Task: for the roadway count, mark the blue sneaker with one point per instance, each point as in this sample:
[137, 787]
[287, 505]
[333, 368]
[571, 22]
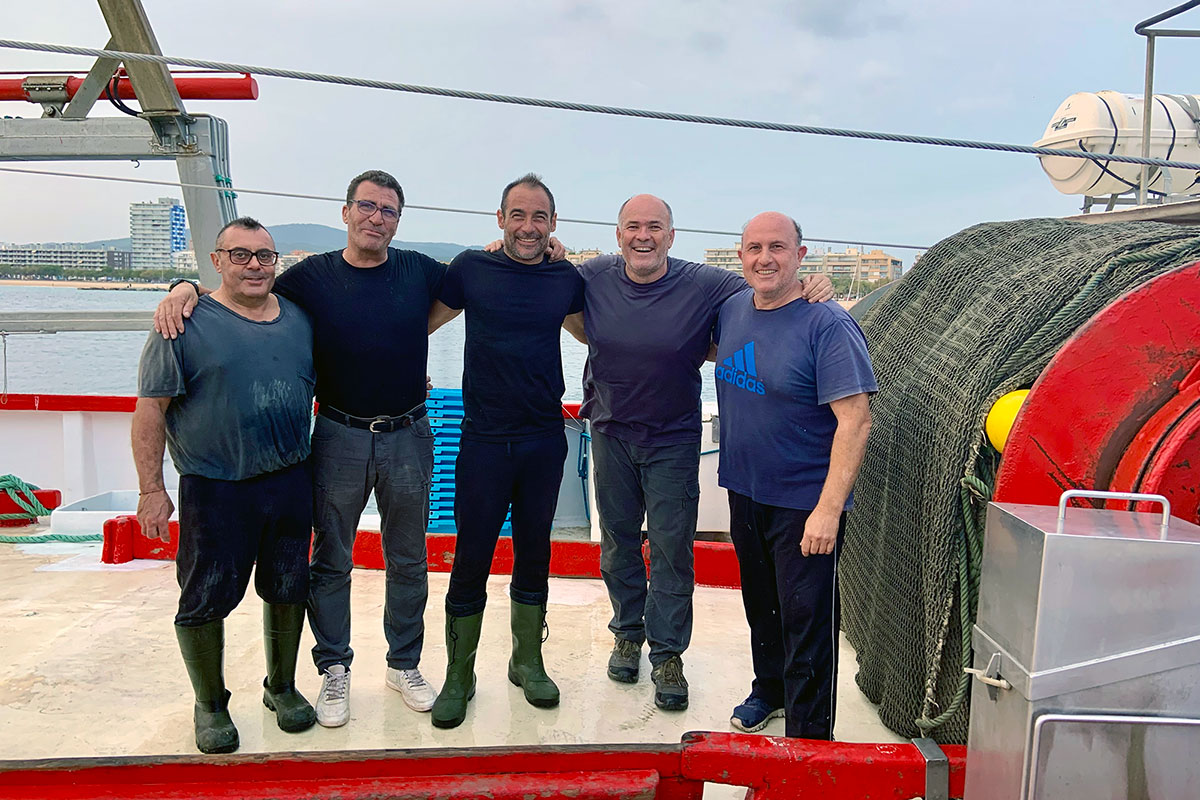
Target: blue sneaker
[753, 714]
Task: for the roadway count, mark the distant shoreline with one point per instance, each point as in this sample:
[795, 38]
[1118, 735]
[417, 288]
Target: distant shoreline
[110, 285]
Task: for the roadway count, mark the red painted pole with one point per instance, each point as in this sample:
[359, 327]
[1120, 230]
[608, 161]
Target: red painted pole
[206, 87]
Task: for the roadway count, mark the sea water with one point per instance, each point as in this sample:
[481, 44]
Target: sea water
[105, 362]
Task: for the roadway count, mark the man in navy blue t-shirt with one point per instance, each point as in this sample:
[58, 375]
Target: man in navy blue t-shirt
[513, 444]
[793, 382]
[648, 326]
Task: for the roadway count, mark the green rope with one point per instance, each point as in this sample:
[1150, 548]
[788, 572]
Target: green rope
[43, 538]
[22, 494]
[974, 492]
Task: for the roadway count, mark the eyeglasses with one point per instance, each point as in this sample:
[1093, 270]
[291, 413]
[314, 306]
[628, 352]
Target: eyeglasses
[241, 256]
[368, 209]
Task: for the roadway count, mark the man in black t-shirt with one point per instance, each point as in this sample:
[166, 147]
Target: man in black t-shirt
[369, 306]
[513, 444]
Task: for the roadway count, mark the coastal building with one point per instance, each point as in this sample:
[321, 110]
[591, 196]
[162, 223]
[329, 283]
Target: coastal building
[65, 256]
[724, 258]
[291, 259]
[577, 257]
[156, 231]
[852, 262]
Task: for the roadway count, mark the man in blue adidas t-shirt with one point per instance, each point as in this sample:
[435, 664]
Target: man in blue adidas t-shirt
[793, 380]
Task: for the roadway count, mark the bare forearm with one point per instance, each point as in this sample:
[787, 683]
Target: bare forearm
[149, 433]
[845, 458]
[573, 324]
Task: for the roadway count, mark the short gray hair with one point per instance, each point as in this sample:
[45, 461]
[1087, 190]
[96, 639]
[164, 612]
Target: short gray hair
[666, 205]
[244, 223]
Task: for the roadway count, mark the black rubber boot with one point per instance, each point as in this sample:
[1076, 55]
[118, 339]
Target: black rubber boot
[462, 641]
[525, 668]
[282, 625]
[203, 651]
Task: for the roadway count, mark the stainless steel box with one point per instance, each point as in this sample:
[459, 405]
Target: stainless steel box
[1095, 627]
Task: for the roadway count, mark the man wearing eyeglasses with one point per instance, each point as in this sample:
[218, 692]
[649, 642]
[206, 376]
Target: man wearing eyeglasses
[238, 432]
[369, 306]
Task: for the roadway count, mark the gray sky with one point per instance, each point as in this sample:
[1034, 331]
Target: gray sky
[994, 71]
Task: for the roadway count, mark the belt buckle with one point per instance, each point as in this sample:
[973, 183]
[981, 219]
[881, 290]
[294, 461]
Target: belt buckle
[379, 421]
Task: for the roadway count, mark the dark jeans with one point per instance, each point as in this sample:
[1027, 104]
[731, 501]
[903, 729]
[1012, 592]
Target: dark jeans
[794, 611]
[348, 463]
[227, 526]
[488, 476]
[661, 485]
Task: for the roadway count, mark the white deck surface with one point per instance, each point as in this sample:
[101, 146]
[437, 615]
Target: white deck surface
[91, 668]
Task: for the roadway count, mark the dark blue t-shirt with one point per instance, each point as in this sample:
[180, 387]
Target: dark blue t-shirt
[370, 327]
[241, 391]
[512, 362]
[777, 372]
[646, 343]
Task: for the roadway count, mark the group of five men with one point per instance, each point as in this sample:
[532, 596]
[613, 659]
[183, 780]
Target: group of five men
[793, 380]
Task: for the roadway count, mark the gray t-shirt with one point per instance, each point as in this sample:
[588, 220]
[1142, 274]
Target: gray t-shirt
[646, 343]
[241, 390]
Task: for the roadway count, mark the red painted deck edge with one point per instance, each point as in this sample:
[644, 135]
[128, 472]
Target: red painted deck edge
[770, 767]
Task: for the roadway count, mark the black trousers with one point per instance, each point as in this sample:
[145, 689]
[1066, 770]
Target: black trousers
[793, 608]
[488, 477]
[225, 527]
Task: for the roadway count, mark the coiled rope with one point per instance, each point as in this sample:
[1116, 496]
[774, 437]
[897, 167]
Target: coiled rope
[22, 494]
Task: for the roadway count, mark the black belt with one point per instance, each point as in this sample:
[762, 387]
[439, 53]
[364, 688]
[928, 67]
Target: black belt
[373, 424]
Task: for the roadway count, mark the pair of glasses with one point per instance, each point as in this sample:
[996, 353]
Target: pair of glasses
[368, 209]
[241, 256]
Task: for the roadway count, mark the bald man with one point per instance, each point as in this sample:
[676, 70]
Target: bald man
[648, 322]
[793, 383]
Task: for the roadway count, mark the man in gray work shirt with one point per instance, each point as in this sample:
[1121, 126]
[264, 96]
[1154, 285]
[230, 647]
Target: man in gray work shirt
[648, 321]
[233, 401]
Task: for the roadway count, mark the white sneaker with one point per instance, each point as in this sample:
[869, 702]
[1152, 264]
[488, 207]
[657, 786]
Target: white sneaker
[333, 704]
[412, 686]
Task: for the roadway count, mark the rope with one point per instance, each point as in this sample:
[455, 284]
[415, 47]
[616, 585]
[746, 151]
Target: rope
[591, 108]
[301, 196]
[21, 493]
[43, 538]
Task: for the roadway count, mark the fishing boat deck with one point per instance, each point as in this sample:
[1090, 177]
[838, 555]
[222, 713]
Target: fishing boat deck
[93, 669]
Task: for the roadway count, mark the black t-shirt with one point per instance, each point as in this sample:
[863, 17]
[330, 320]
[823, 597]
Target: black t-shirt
[512, 370]
[370, 328]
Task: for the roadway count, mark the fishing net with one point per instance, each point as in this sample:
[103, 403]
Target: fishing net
[978, 316]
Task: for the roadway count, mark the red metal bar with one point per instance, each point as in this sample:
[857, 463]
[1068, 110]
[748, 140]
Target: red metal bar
[716, 562]
[775, 768]
[241, 87]
[578, 772]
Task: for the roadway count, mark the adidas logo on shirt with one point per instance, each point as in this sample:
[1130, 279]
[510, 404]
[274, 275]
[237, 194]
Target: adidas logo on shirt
[740, 370]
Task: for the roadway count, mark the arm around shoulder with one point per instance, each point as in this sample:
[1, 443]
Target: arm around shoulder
[177, 306]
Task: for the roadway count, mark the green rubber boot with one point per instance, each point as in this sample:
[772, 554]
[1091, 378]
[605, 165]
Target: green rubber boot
[462, 640]
[525, 668]
[282, 625]
[203, 651]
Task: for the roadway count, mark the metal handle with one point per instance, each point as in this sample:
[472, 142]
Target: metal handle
[982, 677]
[1131, 496]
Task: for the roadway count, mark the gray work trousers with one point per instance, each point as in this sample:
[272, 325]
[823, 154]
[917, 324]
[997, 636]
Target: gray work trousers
[661, 485]
[348, 463]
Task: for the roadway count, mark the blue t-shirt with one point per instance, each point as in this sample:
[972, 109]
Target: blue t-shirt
[777, 372]
[512, 361]
[241, 390]
[371, 328]
[646, 344]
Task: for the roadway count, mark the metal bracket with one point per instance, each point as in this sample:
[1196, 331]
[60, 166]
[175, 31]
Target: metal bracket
[937, 769]
[173, 131]
[48, 90]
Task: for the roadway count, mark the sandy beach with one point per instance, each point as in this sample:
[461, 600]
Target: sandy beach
[76, 284]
